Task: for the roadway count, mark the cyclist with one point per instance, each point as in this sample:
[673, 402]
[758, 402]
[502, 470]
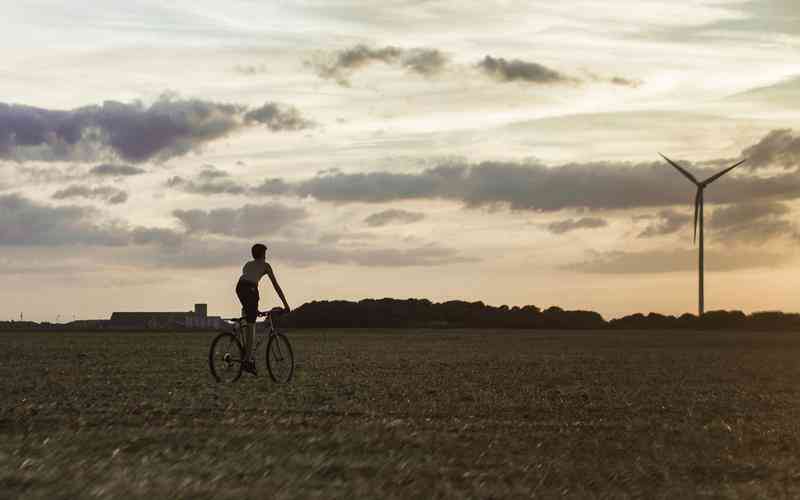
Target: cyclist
[247, 291]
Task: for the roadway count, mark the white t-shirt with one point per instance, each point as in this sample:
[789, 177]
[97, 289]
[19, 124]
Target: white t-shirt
[254, 270]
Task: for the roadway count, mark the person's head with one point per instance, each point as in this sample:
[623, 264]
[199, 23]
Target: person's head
[259, 251]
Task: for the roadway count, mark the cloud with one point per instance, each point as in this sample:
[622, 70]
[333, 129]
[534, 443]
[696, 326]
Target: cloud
[49, 175]
[747, 213]
[784, 93]
[567, 225]
[535, 187]
[393, 216]
[209, 238]
[272, 186]
[112, 170]
[132, 132]
[246, 221]
[108, 194]
[226, 252]
[162, 237]
[779, 148]
[626, 82]
[339, 66]
[668, 261]
[25, 222]
[517, 70]
[209, 181]
[425, 256]
[753, 223]
[668, 222]
[426, 62]
[277, 117]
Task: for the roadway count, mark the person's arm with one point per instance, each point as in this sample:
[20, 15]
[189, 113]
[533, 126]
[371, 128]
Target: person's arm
[277, 287]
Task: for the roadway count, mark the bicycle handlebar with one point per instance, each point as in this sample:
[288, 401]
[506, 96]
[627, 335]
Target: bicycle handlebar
[275, 311]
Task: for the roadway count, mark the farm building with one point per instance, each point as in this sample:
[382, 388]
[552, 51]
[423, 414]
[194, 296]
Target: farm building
[198, 318]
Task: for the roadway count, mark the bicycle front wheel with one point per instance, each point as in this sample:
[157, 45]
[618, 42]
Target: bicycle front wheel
[280, 359]
[225, 358]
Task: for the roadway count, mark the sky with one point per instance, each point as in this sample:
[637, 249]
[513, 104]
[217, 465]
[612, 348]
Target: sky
[506, 152]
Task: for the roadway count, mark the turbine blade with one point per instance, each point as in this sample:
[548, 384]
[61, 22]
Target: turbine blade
[696, 213]
[717, 176]
[681, 169]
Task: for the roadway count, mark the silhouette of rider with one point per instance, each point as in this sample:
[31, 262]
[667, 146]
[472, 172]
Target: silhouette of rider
[247, 291]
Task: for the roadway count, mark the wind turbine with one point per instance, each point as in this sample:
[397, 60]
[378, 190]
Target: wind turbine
[698, 216]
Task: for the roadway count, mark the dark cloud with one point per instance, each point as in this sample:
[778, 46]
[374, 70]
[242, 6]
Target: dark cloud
[112, 170]
[532, 186]
[779, 148]
[745, 213]
[537, 187]
[528, 186]
[214, 238]
[738, 222]
[25, 222]
[667, 222]
[752, 223]
[393, 216]
[133, 132]
[108, 194]
[211, 173]
[272, 186]
[567, 225]
[246, 221]
[668, 261]
[516, 70]
[278, 117]
[424, 61]
[340, 65]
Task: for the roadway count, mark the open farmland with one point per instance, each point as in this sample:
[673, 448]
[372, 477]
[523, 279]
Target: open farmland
[391, 414]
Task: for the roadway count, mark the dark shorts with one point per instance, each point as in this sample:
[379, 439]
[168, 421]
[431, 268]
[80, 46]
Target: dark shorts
[248, 296]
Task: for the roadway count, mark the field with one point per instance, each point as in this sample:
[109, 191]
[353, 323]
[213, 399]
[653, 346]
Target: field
[399, 414]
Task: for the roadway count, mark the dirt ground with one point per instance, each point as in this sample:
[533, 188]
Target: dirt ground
[404, 414]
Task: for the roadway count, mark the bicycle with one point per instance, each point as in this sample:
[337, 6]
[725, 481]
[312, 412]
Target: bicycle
[227, 351]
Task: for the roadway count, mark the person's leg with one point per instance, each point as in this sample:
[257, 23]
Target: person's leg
[250, 341]
[252, 316]
[248, 296]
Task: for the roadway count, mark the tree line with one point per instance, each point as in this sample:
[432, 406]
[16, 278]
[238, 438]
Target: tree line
[422, 313]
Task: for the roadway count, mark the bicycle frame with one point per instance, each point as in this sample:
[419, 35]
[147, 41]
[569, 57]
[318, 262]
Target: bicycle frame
[259, 338]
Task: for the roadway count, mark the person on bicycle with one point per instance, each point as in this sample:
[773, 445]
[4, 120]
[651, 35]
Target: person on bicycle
[247, 291]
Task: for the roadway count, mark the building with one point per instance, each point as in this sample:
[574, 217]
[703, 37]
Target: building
[197, 319]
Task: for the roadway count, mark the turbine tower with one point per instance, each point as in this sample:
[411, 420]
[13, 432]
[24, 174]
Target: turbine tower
[698, 217]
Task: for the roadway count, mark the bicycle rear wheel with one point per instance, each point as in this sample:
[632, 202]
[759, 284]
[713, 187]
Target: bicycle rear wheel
[225, 358]
[280, 359]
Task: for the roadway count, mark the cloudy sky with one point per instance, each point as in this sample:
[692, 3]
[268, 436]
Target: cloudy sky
[504, 152]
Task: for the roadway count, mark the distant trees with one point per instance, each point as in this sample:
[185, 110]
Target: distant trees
[711, 320]
[422, 313]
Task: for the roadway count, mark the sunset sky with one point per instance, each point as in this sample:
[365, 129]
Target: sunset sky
[497, 151]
